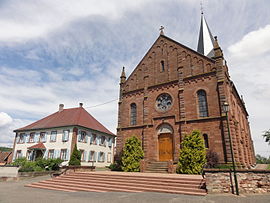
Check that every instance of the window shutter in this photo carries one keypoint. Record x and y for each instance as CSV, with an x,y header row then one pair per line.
x,y
36,137
67,155
104,156
91,139
89,156
86,138
45,137
45,156
67,136
79,136
27,137
24,138
85,156
95,156
98,156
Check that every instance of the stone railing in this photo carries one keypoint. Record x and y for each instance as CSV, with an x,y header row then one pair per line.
x,y
249,180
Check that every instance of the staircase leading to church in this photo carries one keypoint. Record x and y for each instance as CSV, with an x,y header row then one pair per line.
x,y
125,182
157,167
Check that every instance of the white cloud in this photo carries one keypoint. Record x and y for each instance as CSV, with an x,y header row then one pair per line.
x,y
253,44
38,18
249,60
5,119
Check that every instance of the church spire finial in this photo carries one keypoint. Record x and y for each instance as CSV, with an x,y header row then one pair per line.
x,y
123,76
201,3
161,30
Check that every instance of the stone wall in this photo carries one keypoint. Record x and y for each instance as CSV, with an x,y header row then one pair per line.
x,y
249,181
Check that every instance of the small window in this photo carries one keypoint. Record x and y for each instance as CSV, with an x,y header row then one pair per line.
x,y
202,102
162,66
19,154
102,141
101,157
82,137
51,153
65,135
21,138
31,137
205,138
63,154
133,114
53,136
93,139
83,157
42,137
92,156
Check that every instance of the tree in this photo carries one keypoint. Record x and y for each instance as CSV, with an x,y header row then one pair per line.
x,y
192,154
266,135
132,154
75,159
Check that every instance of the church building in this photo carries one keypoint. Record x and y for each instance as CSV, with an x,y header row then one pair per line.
x,y
175,90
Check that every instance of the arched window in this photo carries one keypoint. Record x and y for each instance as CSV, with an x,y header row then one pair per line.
x,y
202,101
133,114
205,138
162,65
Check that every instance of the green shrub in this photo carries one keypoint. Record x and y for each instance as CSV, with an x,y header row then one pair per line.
x,y
192,154
19,162
132,154
39,165
116,166
75,159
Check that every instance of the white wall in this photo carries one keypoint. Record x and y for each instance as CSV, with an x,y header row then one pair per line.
x,y
59,144
86,146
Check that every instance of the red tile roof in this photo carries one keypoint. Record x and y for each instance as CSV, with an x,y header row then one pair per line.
x,y
38,146
4,156
68,117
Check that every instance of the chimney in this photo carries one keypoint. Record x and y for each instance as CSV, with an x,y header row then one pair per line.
x,y
61,107
81,104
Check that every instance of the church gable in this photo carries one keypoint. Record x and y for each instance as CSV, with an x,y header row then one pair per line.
x,y
163,63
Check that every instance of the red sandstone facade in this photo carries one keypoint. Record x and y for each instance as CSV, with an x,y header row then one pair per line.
x,y
172,68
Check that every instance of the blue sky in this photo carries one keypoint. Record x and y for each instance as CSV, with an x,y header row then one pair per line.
x,y
54,52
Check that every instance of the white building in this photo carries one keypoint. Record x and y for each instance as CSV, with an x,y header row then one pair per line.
x,y
56,135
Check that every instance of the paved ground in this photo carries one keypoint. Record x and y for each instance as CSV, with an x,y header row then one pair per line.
x,y
13,192
261,166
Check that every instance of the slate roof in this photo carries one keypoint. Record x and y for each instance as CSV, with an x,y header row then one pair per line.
x,y
68,117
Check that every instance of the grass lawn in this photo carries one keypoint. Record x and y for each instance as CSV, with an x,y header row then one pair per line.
x,y
268,167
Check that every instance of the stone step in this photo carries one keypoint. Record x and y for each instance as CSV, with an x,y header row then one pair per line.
x,y
133,179
141,177
116,188
122,182
75,187
164,184
126,185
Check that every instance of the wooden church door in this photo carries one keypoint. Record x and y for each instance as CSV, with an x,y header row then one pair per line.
x,y
165,147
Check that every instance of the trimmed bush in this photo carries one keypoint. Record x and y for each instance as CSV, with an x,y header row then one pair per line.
x,y
75,159
39,165
132,154
192,154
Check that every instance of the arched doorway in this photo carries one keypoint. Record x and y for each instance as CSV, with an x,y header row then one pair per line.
x,y
165,142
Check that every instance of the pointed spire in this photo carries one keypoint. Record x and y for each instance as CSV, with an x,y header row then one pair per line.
x,y
217,49
206,40
161,30
123,76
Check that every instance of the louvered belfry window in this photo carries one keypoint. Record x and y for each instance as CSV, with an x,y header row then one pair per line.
x,y
202,101
133,114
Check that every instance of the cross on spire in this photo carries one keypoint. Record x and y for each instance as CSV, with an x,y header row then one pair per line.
x,y
201,3
161,30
